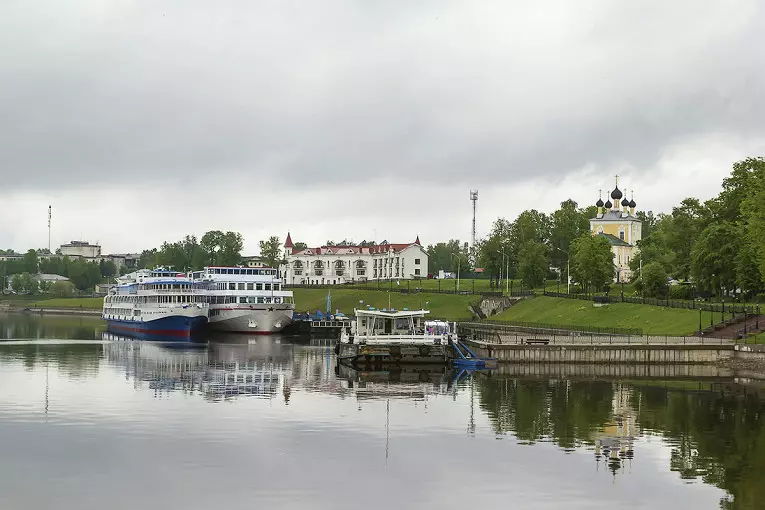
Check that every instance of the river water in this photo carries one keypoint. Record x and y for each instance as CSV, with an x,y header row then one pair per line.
x,y
90,421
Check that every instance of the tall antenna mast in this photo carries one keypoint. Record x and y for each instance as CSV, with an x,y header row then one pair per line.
x,y
474,199
49,216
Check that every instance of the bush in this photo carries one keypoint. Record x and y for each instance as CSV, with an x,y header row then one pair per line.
x,y
681,292
654,280
62,289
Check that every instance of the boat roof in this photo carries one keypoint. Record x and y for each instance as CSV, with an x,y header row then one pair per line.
x,y
391,313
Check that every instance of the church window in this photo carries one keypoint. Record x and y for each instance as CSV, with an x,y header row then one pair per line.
x,y
621,235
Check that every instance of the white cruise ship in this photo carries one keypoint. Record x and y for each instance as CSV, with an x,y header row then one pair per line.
x,y
156,304
246,299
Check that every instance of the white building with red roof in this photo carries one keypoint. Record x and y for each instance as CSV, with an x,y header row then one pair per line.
x,y
334,265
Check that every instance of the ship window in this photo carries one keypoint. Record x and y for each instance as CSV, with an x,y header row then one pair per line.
x,y
258,286
268,286
243,299
241,286
260,299
250,286
231,286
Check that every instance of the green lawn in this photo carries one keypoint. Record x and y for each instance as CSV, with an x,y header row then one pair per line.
x,y
653,320
446,306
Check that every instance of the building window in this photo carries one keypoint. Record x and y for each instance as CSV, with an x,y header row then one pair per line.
x,y
417,272
416,262
621,235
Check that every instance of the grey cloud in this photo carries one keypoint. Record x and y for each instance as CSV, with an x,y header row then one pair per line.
x,y
320,93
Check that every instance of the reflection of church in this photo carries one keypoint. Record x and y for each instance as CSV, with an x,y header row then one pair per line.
x,y
616,222
614,442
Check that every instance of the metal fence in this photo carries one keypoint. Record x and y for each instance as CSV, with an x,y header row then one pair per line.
x,y
559,338
405,288
722,308
542,327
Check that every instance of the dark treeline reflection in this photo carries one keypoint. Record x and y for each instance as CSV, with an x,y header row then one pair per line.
x,y
75,360
34,326
716,432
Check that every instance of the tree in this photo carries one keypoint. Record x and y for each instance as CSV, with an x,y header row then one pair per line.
x,y
62,289
654,280
43,286
303,246
222,248
748,272
148,259
567,223
31,262
532,264
441,256
753,209
714,257
271,251
490,250
592,262
108,268
16,284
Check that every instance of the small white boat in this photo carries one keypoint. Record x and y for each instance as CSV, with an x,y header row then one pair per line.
x,y
397,336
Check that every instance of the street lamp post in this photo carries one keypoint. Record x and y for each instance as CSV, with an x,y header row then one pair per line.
x,y
700,328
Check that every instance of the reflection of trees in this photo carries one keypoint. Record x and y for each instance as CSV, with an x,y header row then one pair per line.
x,y
75,360
565,411
717,437
31,326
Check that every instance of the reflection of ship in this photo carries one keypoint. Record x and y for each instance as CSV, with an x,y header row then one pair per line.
x,y
410,382
215,371
614,442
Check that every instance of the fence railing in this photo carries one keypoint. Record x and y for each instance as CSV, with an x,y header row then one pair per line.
x,y
722,308
403,288
499,337
542,327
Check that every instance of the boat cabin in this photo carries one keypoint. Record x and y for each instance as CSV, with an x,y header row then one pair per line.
x,y
392,326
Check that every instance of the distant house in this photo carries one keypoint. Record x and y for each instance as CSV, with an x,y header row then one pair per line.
x,y
39,278
332,265
253,261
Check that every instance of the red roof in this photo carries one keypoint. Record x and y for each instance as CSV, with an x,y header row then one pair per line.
x,y
355,249
288,243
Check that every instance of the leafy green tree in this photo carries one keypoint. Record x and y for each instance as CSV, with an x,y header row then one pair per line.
x,y
714,257
108,268
31,262
148,259
43,287
16,284
271,251
567,223
222,248
303,246
748,273
753,209
62,289
592,262
441,256
490,249
681,229
654,280
532,264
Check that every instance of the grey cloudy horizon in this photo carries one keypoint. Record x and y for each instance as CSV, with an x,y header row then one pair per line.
x,y
338,119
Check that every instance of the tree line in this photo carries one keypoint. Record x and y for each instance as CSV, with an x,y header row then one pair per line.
x,y
718,245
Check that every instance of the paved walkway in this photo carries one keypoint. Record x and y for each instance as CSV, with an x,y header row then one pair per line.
x,y
733,330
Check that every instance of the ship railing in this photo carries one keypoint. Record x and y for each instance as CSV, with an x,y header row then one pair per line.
x,y
384,339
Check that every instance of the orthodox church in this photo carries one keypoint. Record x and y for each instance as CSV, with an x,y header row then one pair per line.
x,y
617,223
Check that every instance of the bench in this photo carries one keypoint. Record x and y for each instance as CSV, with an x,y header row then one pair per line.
x,y
536,341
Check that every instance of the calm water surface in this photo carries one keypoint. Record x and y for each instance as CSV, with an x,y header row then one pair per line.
x,y
89,421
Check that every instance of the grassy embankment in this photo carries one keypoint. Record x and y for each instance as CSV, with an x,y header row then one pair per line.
x,y
85,303
653,320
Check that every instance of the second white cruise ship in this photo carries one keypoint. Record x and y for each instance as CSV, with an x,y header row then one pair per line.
x,y
246,299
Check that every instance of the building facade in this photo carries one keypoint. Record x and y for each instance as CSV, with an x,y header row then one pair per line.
x,y
80,249
617,223
335,265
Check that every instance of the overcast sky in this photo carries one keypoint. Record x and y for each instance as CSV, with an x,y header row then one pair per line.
x,y
141,121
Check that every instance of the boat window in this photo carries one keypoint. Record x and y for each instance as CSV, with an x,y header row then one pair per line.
x,y
268,286
250,286
231,286
243,299
241,286
268,300
258,286
260,299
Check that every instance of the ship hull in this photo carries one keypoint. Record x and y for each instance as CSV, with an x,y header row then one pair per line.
x,y
173,327
253,321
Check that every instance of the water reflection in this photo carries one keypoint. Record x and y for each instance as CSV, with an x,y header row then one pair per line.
x,y
277,398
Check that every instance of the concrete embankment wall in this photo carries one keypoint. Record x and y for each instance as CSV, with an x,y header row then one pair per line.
x,y
614,370
54,311
612,354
